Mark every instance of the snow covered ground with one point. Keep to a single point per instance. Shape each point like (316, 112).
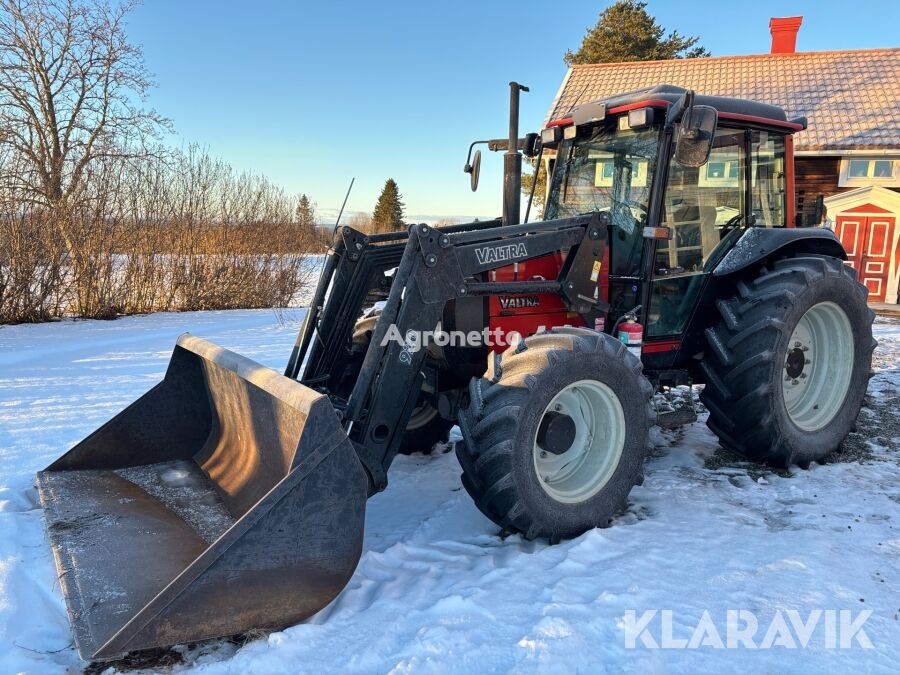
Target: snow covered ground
(437, 590)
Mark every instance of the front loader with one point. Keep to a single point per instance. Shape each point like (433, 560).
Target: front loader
(230, 497)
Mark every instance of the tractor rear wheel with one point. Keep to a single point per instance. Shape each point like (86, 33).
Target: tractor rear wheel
(426, 428)
(788, 363)
(556, 433)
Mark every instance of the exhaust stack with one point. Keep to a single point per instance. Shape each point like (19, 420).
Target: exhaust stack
(512, 161)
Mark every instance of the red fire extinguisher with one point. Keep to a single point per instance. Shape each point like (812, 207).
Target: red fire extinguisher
(632, 334)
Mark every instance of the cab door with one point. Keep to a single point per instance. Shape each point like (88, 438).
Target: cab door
(708, 209)
(699, 203)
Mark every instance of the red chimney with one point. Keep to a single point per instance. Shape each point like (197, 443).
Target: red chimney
(784, 34)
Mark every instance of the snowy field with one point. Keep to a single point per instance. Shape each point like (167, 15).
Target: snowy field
(437, 590)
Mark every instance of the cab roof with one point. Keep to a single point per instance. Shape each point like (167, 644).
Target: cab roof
(663, 95)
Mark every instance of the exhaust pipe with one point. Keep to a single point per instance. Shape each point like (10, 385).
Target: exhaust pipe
(512, 161)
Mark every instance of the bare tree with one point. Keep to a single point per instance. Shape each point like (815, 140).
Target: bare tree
(362, 222)
(71, 94)
(96, 219)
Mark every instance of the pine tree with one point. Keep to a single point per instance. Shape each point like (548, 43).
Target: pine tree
(626, 32)
(306, 213)
(388, 215)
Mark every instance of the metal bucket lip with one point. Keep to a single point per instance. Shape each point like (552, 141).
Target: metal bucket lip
(329, 438)
(284, 388)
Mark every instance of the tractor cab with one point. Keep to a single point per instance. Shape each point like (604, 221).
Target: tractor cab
(679, 178)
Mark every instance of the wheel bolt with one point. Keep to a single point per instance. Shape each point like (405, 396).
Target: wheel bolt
(557, 407)
(802, 376)
(808, 361)
(543, 454)
(797, 343)
(805, 349)
(795, 381)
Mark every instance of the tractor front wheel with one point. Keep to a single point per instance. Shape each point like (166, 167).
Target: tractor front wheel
(788, 363)
(555, 434)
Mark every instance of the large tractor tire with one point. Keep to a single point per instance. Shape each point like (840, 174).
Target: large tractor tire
(426, 428)
(556, 433)
(788, 363)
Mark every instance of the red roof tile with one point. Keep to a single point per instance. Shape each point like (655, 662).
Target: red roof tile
(851, 98)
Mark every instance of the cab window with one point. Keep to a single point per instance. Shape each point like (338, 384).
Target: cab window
(701, 205)
(708, 209)
(610, 170)
(769, 189)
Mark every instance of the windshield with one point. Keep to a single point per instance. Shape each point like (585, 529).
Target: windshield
(611, 170)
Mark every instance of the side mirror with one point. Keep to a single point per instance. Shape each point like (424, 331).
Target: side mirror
(474, 170)
(695, 135)
(531, 147)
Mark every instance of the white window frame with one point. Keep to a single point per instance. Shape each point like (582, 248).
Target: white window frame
(845, 180)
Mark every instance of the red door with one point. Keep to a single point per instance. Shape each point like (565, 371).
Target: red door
(868, 240)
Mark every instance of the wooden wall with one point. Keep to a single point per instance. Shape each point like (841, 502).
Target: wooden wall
(815, 176)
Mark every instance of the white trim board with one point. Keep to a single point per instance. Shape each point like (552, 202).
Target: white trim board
(870, 194)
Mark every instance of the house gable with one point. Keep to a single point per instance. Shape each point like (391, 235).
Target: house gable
(879, 199)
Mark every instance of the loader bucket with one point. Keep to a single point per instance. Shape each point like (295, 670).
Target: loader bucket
(227, 498)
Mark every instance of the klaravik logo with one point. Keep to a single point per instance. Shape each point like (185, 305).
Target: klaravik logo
(492, 254)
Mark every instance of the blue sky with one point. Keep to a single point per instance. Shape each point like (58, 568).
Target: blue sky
(314, 93)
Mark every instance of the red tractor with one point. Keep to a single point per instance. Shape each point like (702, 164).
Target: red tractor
(665, 257)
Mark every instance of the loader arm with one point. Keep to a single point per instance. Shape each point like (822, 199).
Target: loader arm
(433, 267)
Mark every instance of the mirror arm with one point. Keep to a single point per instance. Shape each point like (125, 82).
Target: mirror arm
(683, 106)
(688, 118)
(468, 167)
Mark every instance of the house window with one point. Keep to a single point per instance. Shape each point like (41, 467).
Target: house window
(860, 171)
(606, 169)
(720, 172)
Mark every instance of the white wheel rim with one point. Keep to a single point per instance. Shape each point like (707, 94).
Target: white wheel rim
(585, 468)
(818, 363)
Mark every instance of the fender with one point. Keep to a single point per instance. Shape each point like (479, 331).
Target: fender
(755, 246)
(759, 243)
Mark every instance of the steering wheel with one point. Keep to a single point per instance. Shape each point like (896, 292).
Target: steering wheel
(638, 205)
(732, 223)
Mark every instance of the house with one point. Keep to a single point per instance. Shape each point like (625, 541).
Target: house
(847, 160)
